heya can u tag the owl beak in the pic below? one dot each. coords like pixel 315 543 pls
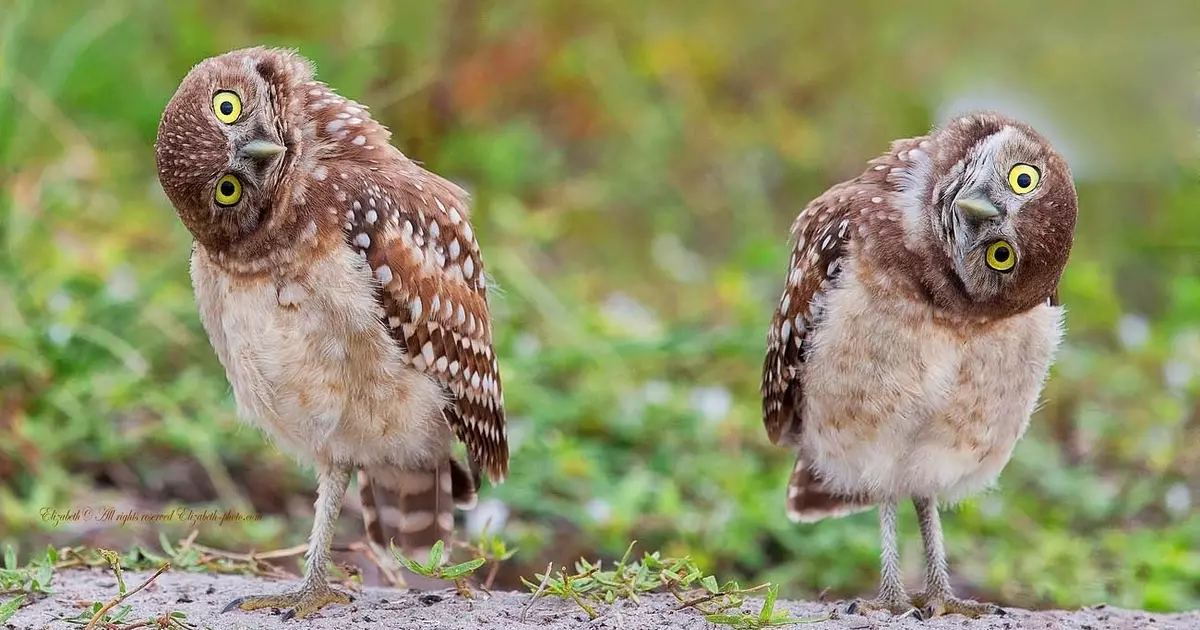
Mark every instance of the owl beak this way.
pixel 977 209
pixel 261 149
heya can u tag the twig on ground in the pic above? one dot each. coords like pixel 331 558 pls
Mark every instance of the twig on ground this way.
pixel 123 596
pixel 537 593
pixel 186 543
pixel 695 603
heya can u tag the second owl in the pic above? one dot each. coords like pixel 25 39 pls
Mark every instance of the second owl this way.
pixel 917 325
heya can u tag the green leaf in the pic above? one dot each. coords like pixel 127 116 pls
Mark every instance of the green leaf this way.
pixel 409 563
pixel 51 554
pixel 769 604
pixel 9 608
pixel 710 584
pixel 530 585
pixel 165 544
pixel 10 558
pixel 435 556
pixel 42 577
pixel 461 569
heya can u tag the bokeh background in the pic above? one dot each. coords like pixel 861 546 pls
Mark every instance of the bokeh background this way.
pixel 635 167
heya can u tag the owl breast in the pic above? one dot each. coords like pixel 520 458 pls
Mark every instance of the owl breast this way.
pixel 312 365
pixel 900 404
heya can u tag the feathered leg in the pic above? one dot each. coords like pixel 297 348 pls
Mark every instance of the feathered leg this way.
pixel 315 593
pixel 937 598
pixel 892 597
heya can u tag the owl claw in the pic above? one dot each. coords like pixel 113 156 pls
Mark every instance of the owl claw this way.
pixel 929 607
pixel 300 603
pixel 896 606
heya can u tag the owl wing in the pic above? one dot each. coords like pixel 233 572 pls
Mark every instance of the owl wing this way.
pixel 413 228
pixel 822 235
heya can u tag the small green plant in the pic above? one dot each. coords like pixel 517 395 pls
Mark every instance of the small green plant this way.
pixel 174 619
pixel 766 617
pixel 136 559
pixel 494 551
pixel 101 614
pixel 26 582
pixel 9 608
pixel 591 585
pixel 433 568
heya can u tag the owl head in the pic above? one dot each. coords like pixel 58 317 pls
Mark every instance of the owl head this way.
pixel 245 142
pixel 1001 205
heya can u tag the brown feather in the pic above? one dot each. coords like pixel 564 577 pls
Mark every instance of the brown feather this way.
pixel 413 229
pixel 808 501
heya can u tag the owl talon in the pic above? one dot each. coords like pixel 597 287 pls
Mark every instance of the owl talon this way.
pixel 895 606
pixel 299 603
pixel 939 605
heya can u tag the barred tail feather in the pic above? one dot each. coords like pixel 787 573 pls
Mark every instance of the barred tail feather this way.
pixel 370 510
pixel 808 502
pixel 464 485
pixel 413 509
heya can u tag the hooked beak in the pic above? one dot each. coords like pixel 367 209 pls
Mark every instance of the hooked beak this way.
pixel 977 208
pixel 261 149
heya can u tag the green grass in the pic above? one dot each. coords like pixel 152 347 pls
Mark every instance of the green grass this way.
pixel 590 586
pixel 634 171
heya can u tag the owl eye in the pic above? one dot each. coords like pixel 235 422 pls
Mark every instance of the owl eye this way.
pixel 227 106
pixel 228 191
pixel 1023 178
pixel 1000 256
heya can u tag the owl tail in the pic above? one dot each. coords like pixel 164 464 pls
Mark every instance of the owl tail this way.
pixel 414 509
pixel 808 502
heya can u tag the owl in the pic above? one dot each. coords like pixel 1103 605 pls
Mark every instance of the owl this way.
pixel 917 325
pixel 342 288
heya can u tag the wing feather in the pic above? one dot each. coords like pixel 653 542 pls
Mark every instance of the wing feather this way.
pixel 821 235
pixel 413 228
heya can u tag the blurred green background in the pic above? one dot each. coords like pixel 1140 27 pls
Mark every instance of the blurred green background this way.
pixel 635 167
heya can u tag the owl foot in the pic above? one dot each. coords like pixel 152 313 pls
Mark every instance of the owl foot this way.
pixel 930 606
pixel 894 605
pixel 299 603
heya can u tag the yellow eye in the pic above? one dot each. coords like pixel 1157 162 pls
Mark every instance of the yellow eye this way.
pixel 227 106
pixel 228 191
pixel 1000 256
pixel 1023 178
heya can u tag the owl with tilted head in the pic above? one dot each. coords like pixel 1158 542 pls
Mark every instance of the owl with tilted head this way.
pixel 917 324
pixel 343 290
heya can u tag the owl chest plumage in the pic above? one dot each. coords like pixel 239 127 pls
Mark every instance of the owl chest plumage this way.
pixel 898 403
pixel 311 364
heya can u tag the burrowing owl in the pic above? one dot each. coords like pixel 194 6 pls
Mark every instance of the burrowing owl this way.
pixel 915 332
pixel 342 288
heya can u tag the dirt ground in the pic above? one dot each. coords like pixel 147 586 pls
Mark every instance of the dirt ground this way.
pixel 202 596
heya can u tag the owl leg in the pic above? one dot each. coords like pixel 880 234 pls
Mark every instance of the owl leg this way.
pixel 937 599
pixel 315 593
pixel 892 597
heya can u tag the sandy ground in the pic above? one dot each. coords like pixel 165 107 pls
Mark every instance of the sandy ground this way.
pixel 202 596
